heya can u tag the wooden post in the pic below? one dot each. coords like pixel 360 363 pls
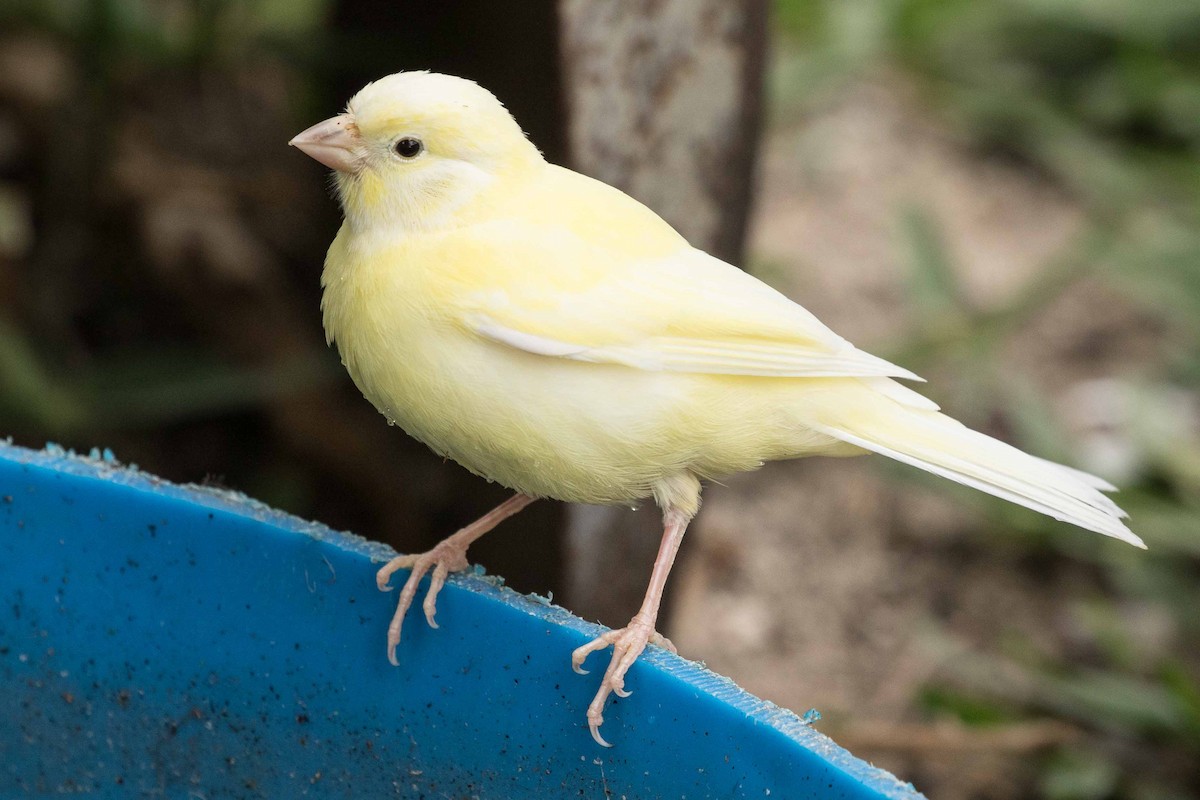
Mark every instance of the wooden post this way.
pixel 664 101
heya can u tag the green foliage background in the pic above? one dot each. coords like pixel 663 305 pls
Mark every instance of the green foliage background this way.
pixel 1102 97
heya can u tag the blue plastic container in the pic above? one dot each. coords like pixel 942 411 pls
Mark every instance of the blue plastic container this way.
pixel 181 641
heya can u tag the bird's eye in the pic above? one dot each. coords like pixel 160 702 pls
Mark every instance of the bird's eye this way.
pixel 409 147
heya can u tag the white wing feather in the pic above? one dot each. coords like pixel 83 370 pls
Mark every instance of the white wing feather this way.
pixel 689 313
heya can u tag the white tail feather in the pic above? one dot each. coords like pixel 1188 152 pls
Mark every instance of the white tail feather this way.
pixel 945 447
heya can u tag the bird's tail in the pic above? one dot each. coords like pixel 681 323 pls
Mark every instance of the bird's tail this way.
pixel 914 433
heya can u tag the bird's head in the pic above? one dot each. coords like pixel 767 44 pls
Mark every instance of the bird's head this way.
pixel 414 147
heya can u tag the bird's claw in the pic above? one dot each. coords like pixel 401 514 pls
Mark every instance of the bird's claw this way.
pixel 594 723
pixel 627 643
pixel 384 576
pixel 581 653
pixel 449 556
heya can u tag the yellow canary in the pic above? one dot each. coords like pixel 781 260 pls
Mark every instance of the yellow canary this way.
pixel 550 333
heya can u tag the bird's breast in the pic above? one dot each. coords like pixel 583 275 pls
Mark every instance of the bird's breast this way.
pixel 535 424
pixel 552 427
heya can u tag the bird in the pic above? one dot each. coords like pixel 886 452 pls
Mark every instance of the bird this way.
pixel 552 334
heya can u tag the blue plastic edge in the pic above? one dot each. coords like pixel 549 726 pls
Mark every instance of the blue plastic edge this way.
pixel 103 465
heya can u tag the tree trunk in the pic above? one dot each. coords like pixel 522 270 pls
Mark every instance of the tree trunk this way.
pixel 664 100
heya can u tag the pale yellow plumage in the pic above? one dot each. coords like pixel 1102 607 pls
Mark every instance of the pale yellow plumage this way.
pixel 551 333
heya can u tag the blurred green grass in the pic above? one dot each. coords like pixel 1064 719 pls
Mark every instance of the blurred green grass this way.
pixel 150 386
pixel 1101 98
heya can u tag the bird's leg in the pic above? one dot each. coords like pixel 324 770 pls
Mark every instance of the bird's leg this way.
pixel 629 642
pixel 450 555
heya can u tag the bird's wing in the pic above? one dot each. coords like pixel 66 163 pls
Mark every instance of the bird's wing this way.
pixel 554 295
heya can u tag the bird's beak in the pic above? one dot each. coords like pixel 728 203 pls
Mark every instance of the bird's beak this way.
pixel 334 142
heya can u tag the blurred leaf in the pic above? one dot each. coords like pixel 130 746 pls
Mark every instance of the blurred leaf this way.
pixel 1106 700
pixel 147 389
pixel 1186 688
pixel 27 390
pixel 801 19
pixel 290 18
pixel 933 284
pixel 1162 269
pixel 1116 701
pixel 152 388
pixel 177 31
pixel 1150 789
pixel 1079 775
pixel 968 709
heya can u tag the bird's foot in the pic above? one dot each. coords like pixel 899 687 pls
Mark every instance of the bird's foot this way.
pixel 449 556
pixel 627 644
